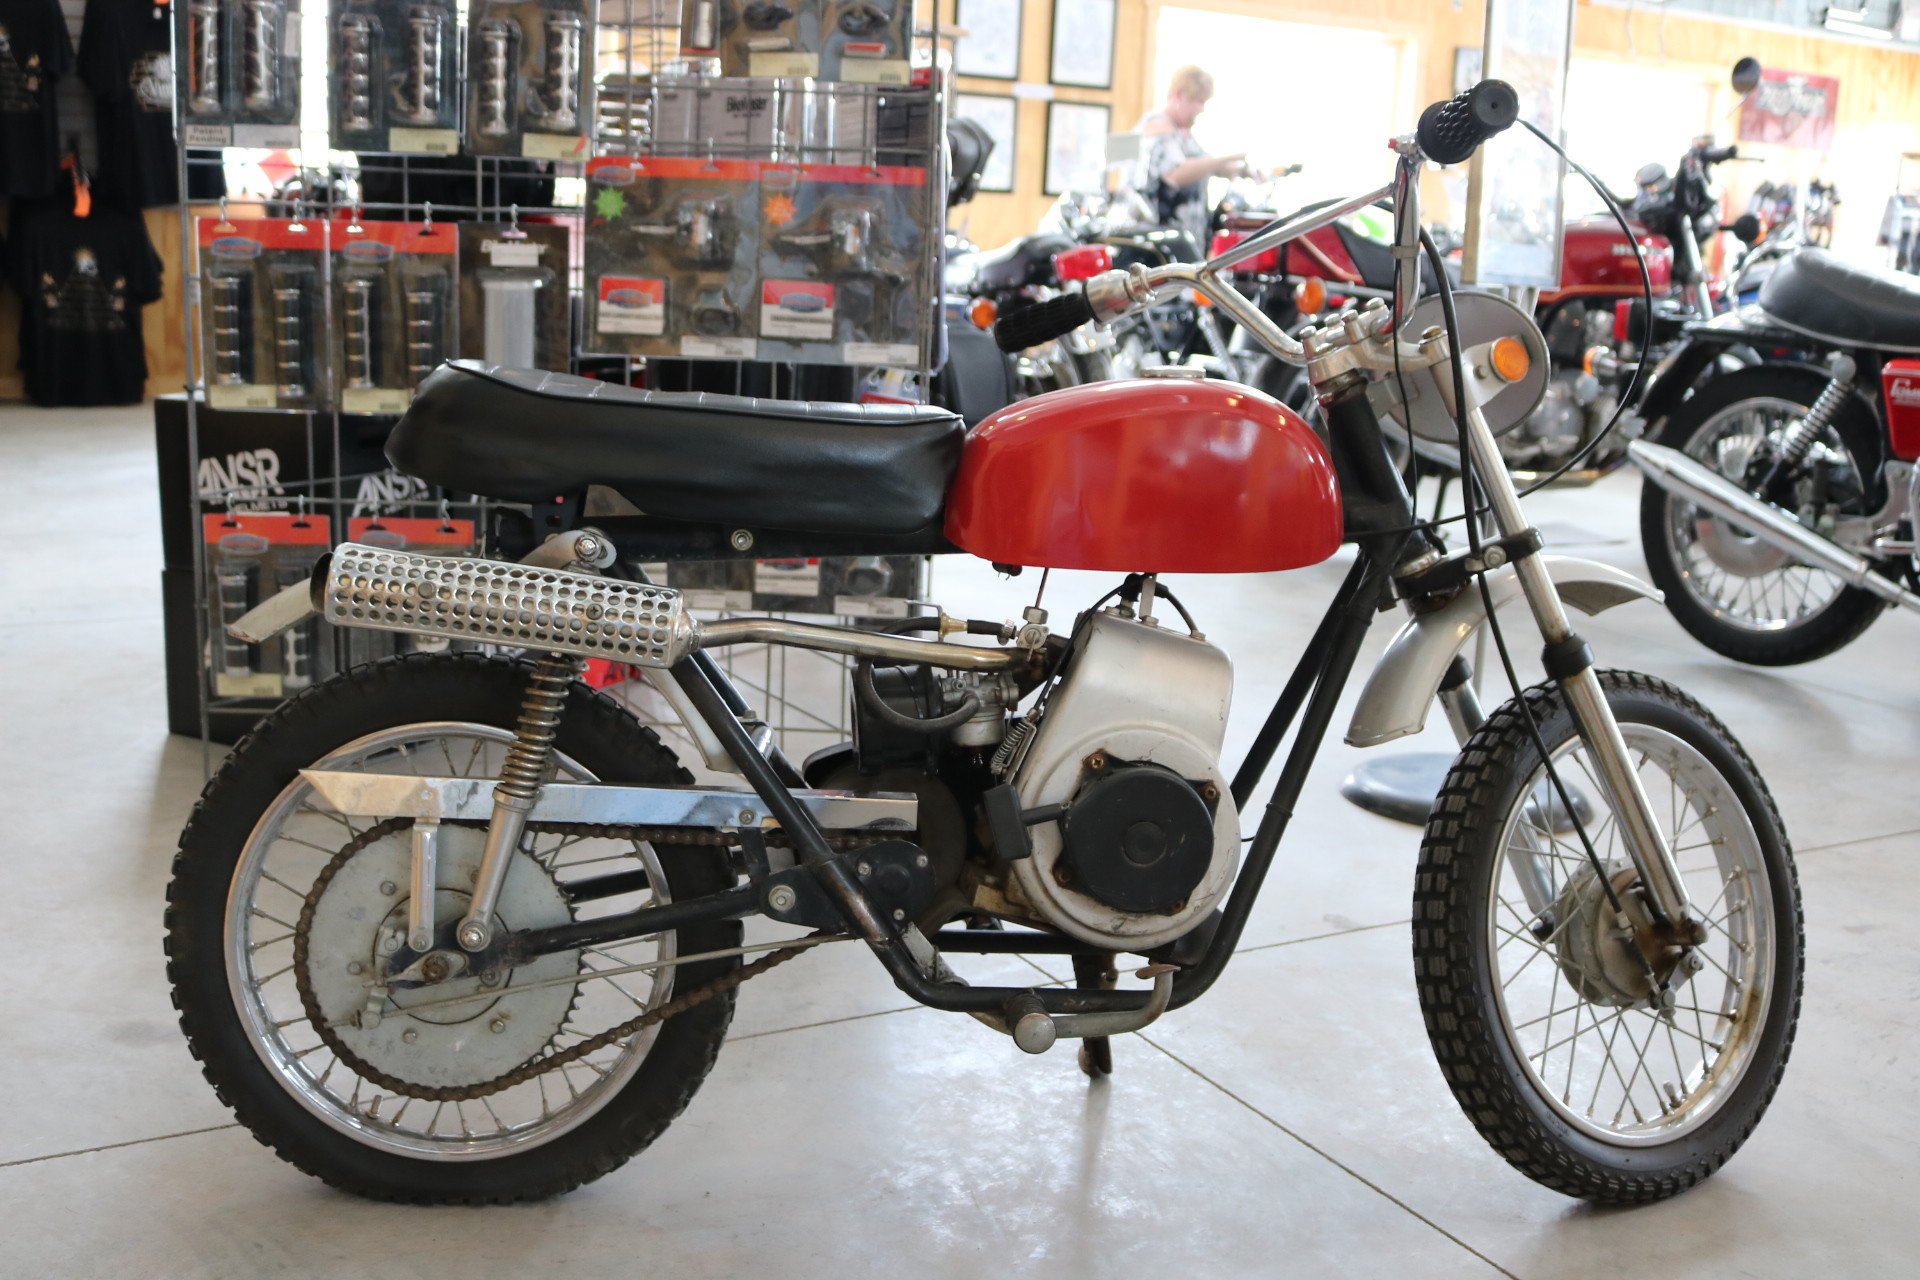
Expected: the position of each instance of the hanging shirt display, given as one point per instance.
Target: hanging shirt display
(126, 61)
(34, 52)
(82, 282)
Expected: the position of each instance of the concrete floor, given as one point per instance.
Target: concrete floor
(1293, 1123)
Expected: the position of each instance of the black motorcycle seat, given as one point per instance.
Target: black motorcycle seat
(519, 435)
(1817, 293)
(1026, 262)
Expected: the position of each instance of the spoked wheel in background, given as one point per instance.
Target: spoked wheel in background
(1554, 1037)
(1735, 593)
(485, 1087)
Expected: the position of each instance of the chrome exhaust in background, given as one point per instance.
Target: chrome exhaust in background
(1686, 478)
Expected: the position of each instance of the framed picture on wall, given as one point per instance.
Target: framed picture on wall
(991, 46)
(999, 115)
(1076, 146)
(1082, 52)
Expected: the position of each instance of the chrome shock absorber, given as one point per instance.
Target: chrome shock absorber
(521, 778)
(1833, 397)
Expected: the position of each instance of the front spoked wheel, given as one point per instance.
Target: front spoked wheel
(1591, 1072)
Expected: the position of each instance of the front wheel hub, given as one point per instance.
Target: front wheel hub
(1597, 954)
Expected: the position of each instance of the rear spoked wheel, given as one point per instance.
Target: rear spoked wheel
(498, 1083)
(1586, 1071)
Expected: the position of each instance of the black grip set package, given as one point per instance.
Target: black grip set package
(857, 40)
(529, 72)
(396, 84)
(241, 81)
(747, 259)
(390, 291)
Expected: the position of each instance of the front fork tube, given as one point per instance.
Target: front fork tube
(1461, 703)
(1652, 857)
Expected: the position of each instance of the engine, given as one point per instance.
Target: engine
(1575, 405)
(1127, 743)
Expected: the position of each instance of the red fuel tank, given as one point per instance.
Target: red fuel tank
(1598, 259)
(1150, 475)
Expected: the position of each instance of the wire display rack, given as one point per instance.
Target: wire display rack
(637, 66)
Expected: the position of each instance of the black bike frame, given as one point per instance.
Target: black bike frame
(1379, 517)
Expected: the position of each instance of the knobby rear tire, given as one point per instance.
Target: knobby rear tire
(413, 689)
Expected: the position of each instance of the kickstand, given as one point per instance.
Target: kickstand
(1095, 973)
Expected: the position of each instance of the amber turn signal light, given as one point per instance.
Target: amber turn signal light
(983, 313)
(1310, 295)
(1510, 359)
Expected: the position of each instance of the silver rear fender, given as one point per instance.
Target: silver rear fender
(1407, 678)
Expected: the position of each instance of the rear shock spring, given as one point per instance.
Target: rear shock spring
(1833, 397)
(525, 768)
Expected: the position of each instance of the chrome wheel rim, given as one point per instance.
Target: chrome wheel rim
(1627, 1074)
(298, 835)
(1740, 579)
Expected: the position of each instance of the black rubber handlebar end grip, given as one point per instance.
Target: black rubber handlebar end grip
(1042, 322)
(1451, 131)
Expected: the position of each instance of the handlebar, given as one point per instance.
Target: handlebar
(1451, 131)
(1042, 322)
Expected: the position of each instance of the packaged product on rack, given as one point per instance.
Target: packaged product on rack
(867, 41)
(861, 40)
(240, 85)
(393, 290)
(529, 74)
(513, 294)
(722, 117)
(251, 555)
(426, 535)
(395, 82)
(843, 264)
(671, 250)
(261, 316)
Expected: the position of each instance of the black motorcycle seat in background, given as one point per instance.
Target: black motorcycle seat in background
(520, 435)
(1023, 264)
(1817, 292)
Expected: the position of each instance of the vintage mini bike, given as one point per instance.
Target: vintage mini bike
(455, 928)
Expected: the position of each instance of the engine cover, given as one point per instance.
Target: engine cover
(1130, 742)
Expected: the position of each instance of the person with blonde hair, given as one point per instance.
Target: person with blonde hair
(1173, 169)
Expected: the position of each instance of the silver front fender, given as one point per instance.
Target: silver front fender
(1407, 678)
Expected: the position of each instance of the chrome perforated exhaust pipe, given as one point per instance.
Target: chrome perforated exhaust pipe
(1686, 478)
(493, 602)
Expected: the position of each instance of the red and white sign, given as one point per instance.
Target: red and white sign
(632, 304)
(1789, 109)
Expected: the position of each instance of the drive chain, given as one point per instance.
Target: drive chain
(538, 1065)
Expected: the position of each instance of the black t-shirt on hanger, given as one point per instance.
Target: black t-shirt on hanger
(126, 60)
(82, 282)
(34, 52)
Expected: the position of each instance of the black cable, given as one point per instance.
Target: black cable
(1467, 479)
(1633, 383)
(1160, 589)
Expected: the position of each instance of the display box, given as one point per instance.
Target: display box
(671, 257)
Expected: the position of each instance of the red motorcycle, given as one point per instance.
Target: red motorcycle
(455, 928)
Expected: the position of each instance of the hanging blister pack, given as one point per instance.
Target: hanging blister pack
(242, 81)
(513, 294)
(842, 265)
(395, 76)
(250, 556)
(529, 74)
(866, 41)
(671, 257)
(260, 283)
(392, 304)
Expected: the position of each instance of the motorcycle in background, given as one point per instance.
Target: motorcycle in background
(1779, 513)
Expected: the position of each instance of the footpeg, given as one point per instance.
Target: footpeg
(1035, 1030)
